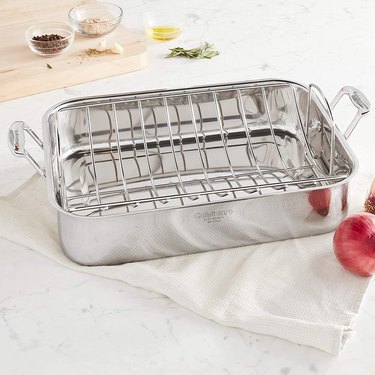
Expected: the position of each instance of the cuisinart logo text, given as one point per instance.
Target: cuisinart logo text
(213, 216)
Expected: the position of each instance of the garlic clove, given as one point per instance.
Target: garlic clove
(102, 46)
(116, 48)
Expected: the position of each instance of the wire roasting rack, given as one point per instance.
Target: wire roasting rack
(182, 148)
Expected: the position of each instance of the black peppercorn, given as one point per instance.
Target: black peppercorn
(49, 44)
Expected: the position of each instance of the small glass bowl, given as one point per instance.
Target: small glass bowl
(61, 33)
(162, 25)
(95, 20)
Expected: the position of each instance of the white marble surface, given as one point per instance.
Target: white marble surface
(56, 321)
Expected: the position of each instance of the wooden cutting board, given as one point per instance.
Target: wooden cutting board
(24, 73)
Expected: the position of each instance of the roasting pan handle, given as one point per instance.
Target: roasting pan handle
(16, 143)
(360, 102)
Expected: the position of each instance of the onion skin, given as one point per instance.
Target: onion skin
(354, 244)
(370, 201)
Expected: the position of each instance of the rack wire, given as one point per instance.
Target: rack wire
(169, 151)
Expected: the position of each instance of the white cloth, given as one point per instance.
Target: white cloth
(293, 289)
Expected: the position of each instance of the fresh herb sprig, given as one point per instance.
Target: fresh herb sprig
(206, 51)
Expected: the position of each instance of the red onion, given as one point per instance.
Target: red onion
(354, 244)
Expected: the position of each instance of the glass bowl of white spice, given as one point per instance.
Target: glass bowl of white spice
(94, 20)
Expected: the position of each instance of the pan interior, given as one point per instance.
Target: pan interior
(189, 147)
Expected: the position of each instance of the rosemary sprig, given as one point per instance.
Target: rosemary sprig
(206, 51)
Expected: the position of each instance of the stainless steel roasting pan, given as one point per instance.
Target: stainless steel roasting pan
(154, 174)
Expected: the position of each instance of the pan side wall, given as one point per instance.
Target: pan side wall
(127, 238)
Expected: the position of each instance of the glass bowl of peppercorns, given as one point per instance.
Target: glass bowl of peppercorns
(50, 38)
